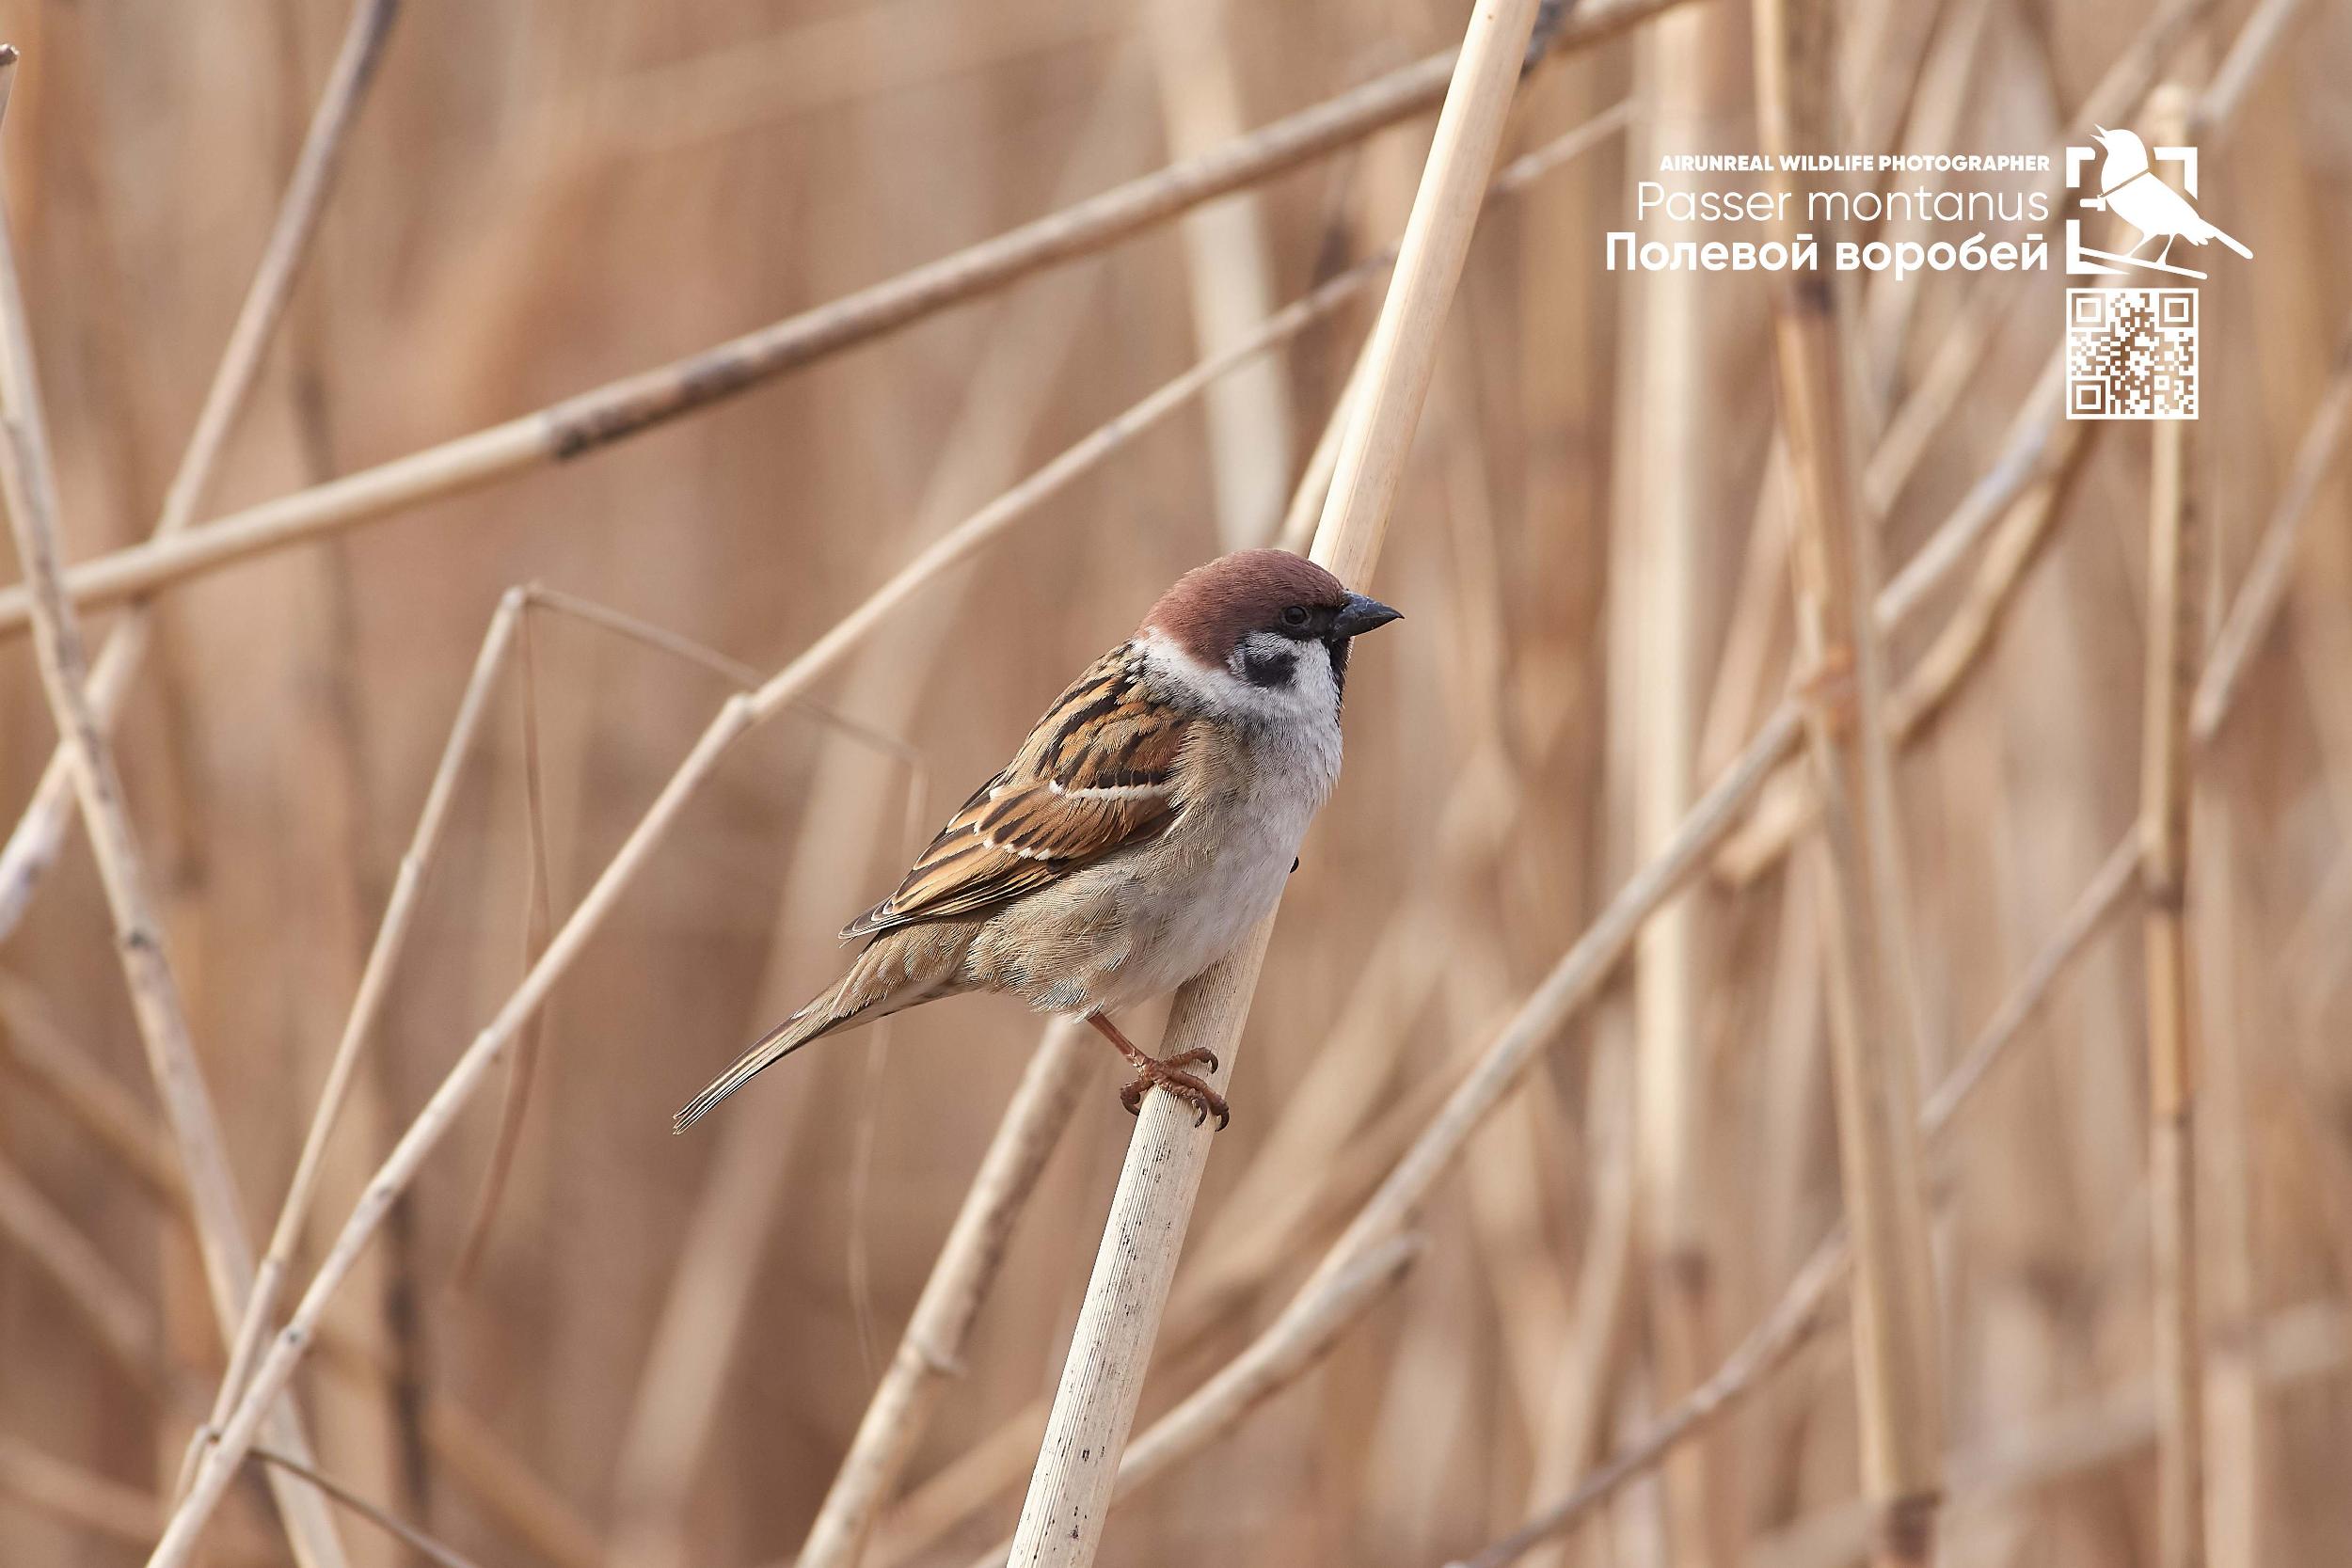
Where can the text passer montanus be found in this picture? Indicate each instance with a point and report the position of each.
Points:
(1143, 829)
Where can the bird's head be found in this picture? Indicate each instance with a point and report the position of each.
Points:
(2124, 145)
(1268, 620)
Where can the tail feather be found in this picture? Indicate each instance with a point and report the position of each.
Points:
(898, 969)
(2231, 242)
(773, 1047)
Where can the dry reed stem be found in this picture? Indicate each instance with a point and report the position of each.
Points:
(1070, 1495)
(2175, 576)
(1228, 270)
(931, 1349)
(103, 1507)
(1276, 1359)
(882, 1446)
(116, 1313)
(509, 630)
(888, 46)
(1688, 67)
(2118, 876)
(1793, 805)
(32, 847)
(1873, 1031)
(33, 1042)
(1577, 979)
(128, 1328)
(2031, 457)
(1028, 347)
(28, 484)
(1967, 633)
(2038, 443)
(1319, 1152)
(711, 1291)
(367, 1004)
(591, 420)
(1580, 972)
(741, 713)
(2264, 586)
(1804, 1305)
(508, 1490)
(407, 1534)
(2296, 1345)
(2233, 1020)
(1317, 1158)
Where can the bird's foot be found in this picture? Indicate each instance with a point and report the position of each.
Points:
(1151, 1073)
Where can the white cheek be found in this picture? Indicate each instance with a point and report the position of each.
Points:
(1310, 698)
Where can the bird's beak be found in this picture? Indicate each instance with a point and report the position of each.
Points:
(1362, 613)
(2099, 134)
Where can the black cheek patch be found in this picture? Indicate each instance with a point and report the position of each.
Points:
(1274, 669)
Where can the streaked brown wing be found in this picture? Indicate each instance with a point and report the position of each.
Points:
(1097, 774)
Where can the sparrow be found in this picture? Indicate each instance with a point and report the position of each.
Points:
(2130, 188)
(1143, 829)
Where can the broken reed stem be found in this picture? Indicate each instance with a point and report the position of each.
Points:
(1070, 1492)
(2174, 581)
(32, 848)
(28, 484)
(593, 420)
(1873, 1034)
(740, 714)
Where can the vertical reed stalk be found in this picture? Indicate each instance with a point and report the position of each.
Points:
(1688, 63)
(1070, 1492)
(2174, 567)
(1872, 1027)
(33, 844)
(28, 484)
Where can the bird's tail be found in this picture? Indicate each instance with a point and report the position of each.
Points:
(2231, 242)
(898, 970)
(816, 1018)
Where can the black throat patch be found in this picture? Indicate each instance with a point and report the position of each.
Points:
(1268, 669)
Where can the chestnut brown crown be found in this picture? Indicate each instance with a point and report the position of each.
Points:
(1211, 608)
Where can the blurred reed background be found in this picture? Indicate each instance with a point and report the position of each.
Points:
(656, 1349)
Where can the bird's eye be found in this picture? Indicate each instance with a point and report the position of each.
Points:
(1295, 616)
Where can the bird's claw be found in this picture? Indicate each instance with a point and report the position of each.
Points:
(1204, 1101)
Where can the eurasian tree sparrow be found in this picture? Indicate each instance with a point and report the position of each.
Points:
(1143, 829)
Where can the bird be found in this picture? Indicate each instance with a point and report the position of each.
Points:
(2130, 188)
(1145, 826)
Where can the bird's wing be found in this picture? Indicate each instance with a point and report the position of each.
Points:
(2156, 208)
(1100, 773)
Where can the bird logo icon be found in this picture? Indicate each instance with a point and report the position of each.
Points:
(2130, 188)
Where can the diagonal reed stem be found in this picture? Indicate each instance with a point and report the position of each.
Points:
(593, 420)
(32, 847)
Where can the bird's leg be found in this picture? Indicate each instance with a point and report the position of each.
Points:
(2167, 248)
(1153, 1071)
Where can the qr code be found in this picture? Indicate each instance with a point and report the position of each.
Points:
(2131, 354)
